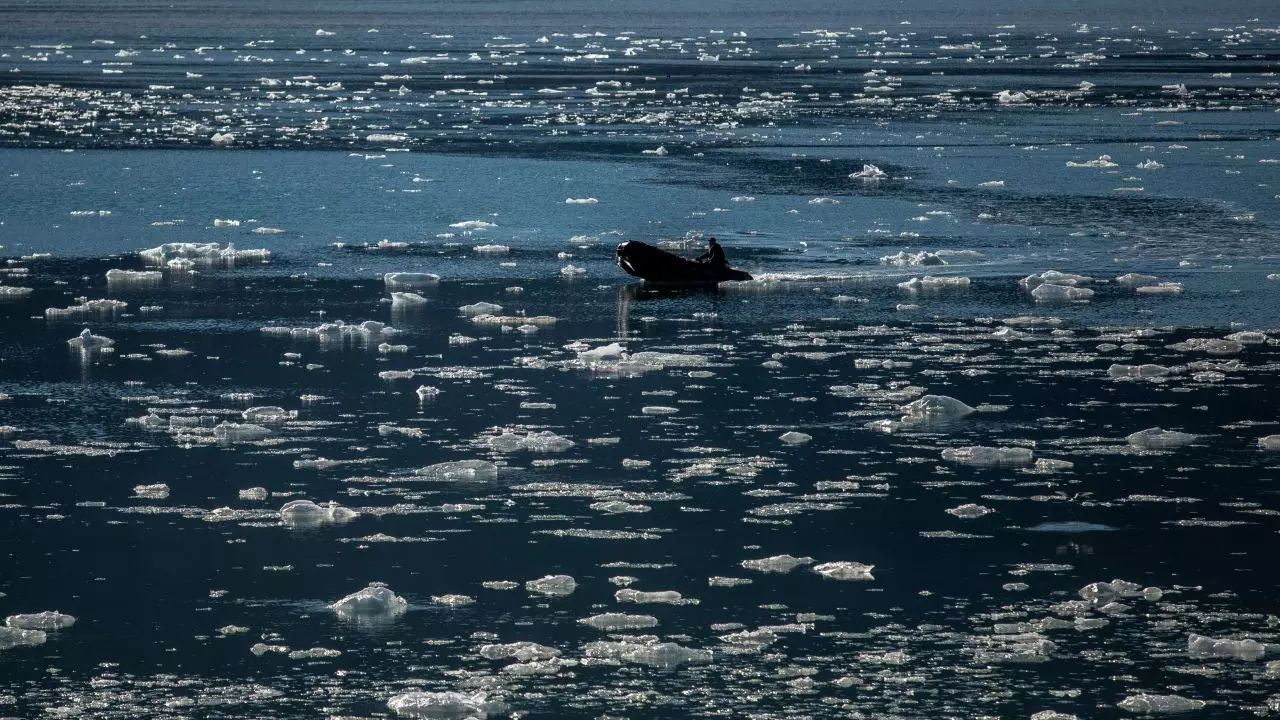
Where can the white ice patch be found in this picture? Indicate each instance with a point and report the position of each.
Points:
(445, 705)
(1145, 704)
(1160, 439)
(552, 585)
(459, 471)
(1200, 646)
(845, 570)
(47, 621)
(613, 622)
(410, 280)
(777, 563)
(307, 514)
(983, 456)
(373, 602)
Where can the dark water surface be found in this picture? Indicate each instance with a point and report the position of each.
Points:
(883, 479)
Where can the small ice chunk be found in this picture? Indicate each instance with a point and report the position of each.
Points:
(795, 438)
(375, 601)
(552, 585)
(845, 570)
(47, 621)
(1164, 288)
(1158, 439)
(304, 513)
(1135, 279)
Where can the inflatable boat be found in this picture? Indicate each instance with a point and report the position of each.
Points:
(659, 266)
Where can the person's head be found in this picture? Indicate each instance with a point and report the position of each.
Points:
(711, 241)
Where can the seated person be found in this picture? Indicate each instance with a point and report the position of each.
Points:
(714, 255)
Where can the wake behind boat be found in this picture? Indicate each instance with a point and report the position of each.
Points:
(659, 266)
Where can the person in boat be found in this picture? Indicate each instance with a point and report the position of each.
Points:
(714, 256)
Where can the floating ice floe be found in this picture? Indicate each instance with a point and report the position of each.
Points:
(11, 637)
(969, 511)
(480, 308)
(88, 308)
(984, 456)
(930, 282)
(868, 173)
(306, 514)
(459, 470)
(473, 225)
(905, 258)
(336, 331)
(934, 408)
(581, 201)
(552, 585)
(1201, 646)
(1211, 346)
(87, 342)
(1050, 292)
(1160, 439)
(203, 253)
(845, 570)
(268, 414)
(544, 441)
(777, 563)
(1270, 442)
(654, 654)
(1146, 704)
(795, 438)
(157, 491)
(448, 705)
(239, 432)
(1145, 371)
(404, 300)
(1164, 288)
(409, 280)
(1102, 161)
(1008, 97)
(47, 621)
(373, 602)
(613, 622)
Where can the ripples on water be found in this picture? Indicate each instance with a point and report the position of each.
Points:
(832, 491)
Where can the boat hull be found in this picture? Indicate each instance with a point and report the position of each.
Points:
(655, 265)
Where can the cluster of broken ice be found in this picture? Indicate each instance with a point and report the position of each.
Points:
(1055, 286)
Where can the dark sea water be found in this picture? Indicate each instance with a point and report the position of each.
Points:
(905, 472)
